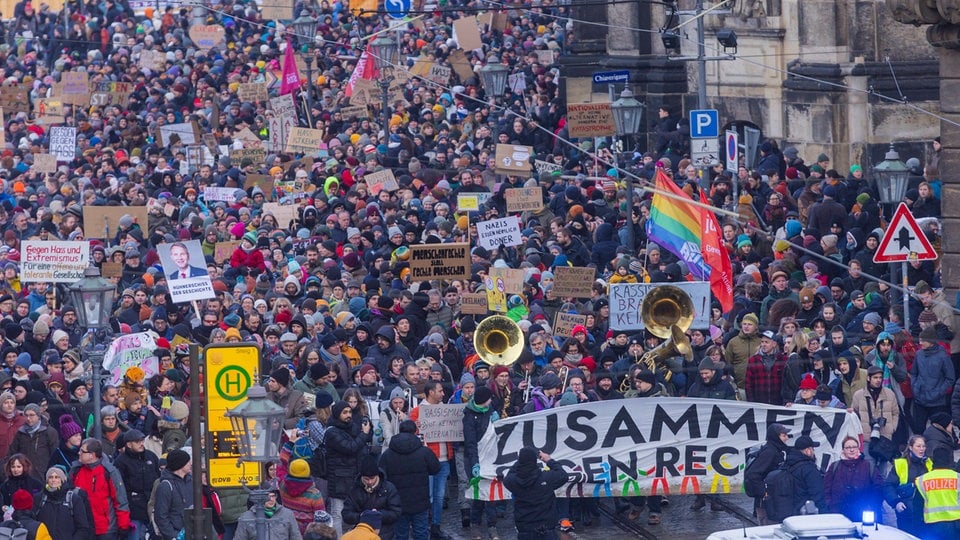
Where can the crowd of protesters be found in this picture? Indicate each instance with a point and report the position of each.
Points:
(351, 345)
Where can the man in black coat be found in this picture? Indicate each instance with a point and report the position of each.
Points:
(139, 468)
(808, 480)
(771, 456)
(534, 503)
(373, 492)
(344, 449)
(408, 464)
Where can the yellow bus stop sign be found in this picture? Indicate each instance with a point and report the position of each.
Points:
(229, 371)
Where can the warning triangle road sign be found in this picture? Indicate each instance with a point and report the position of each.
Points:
(903, 240)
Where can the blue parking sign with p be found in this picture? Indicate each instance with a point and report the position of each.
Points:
(704, 124)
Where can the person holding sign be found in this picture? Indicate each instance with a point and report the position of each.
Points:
(181, 257)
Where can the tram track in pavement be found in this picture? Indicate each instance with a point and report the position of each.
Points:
(637, 528)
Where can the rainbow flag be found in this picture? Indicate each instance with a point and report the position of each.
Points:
(676, 226)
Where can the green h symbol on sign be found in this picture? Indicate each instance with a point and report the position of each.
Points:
(232, 383)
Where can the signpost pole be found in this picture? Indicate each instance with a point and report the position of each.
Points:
(195, 435)
(906, 296)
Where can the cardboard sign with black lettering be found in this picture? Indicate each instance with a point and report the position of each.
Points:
(111, 269)
(590, 119)
(546, 166)
(185, 132)
(473, 303)
(524, 199)
(45, 163)
(513, 159)
(564, 322)
(381, 180)
(440, 261)
(257, 155)
(494, 233)
(14, 98)
(304, 140)
(284, 213)
(573, 281)
(468, 33)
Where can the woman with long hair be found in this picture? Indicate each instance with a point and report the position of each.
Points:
(899, 489)
(18, 471)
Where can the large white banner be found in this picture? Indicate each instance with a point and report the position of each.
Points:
(52, 261)
(647, 446)
(506, 231)
(626, 299)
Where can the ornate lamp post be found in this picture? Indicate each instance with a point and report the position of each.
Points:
(385, 51)
(93, 297)
(892, 176)
(306, 28)
(627, 115)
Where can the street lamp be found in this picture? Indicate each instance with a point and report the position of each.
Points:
(493, 77)
(258, 424)
(306, 28)
(92, 297)
(892, 176)
(627, 115)
(385, 51)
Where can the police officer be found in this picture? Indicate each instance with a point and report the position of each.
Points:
(940, 493)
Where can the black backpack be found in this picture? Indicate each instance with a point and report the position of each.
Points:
(753, 479)
(778, 500)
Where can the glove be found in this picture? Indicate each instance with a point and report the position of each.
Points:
(476, 470)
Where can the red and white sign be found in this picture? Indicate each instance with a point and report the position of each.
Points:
(904, 240)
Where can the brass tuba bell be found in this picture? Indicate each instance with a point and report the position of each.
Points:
(667, 312)
(498, 340)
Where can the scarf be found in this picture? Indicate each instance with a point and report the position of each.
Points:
(270, 511)
(472, 405)
(10, 416)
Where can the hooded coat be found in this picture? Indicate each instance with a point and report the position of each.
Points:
(932, 376)
(533, 493)
(65, 519)
(408, 465)
(384, 498)
(343, 454)
(772, 455)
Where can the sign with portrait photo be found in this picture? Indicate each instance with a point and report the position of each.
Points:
(186, 271)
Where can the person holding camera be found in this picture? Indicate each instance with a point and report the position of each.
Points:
(879, 413)
(534, 501)
(344, 450)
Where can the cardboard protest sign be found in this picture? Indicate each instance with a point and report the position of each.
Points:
(517, 82)
(111, 269)
(262, 181)
(285, 213)
(467, 33)
(186, 132)
(74, 88)
(498, 21)
(249, 138)
(130, 350)
(501, 283)
(573, 281)
(45, 163)
(277, 10)
(496, 232)
(152, 60)
(439, 74)
(524, 199)
(626, 299)
(365, 92)
(461, 65)
(563, 323)
(639, 435)
(304, 140)
(63, 143)
(381, 180)
(590, 119)
(53, 261)
(15, 98)
(207, 36)
(579, 90)
(49, 111)
(222, 251)
(473, 303)
(110, 93)
(252, 92)
(442, 422)
(282, 117)
(470, 202)
(513, 159)
(213, 193)
(257, 155)
(358, 112)
(440, 261)
(210, 141)
(104, 221)
(186, 271)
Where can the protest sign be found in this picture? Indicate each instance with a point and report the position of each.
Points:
(359, 112)
(473, 303)
(545, 166)
(15, 98)
(590, 119)
(461, 65)
(496, 232)
(63, 143)
(257, 155)
(252, 92)
(262, 181)
(573, 281)
(654, 446)
(440, 261)
(517, 83)
(185, 132)
(52, 261)
(524, 199)
(152, 60)
(544, 57)
(49, 111)
(304, 140)
(563, 323)
(441, 423)
(45, 163)
(186, 272)
(105, 220)
(470, 202)
(626, 298)
(222, 251)
(111, 270)
(206, 36)
(498, 21)
(579, 89)
(364, 93)
(74, 88)
(282, 117)
(285, 213)
(130, 350)
(110, 93)
(277, 10)
(439, 74)
(381, 180)
(213, 193)
(501, 283)
(467, 33)
(249, 138)
(513, 160)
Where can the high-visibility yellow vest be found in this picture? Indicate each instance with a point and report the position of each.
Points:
(902, 468)
(941, 498)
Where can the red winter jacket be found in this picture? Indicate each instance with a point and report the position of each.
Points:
(248, 259)
(108, 497)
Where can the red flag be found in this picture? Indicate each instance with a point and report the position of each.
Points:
(365, 69)
(290, 79)
(721, 278)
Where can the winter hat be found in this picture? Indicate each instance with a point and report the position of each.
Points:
(32, 407)
(646, 376)
(179, 410)
(808, 383)
(57, 471)
(177, 459)
(22, 500)
(338, 408)
(707, 363)
(373, 518)
(873, 318)
(482, 395)
(467, 378)
(299, 468)
(941, 419)
(550, 380)
(58, 335)
(527, 456)
(368, 466)
(319, 370)
(322, 399)
(750, 318)
(282, 376)
(927, 316)
(68, 428)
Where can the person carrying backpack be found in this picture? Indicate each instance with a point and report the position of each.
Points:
(64, 510)
(797, 482)
(23, 525)
(770, 457)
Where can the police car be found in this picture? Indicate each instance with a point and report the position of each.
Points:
(816, 527)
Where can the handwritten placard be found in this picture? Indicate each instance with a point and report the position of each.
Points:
(590, 119)
(207, 36)
(494, 233)
(63, 143)
(545, 166)
(111, 269)
(564, 322)
(45, 163)
(381, 180)
(442, 422)
(524, 199)
(473, 303)
(285, 213)
(222, 251)
(440, 261)
(573, 281)
(304, 140)
(14, 97)
(513, 159)
(252, 92)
